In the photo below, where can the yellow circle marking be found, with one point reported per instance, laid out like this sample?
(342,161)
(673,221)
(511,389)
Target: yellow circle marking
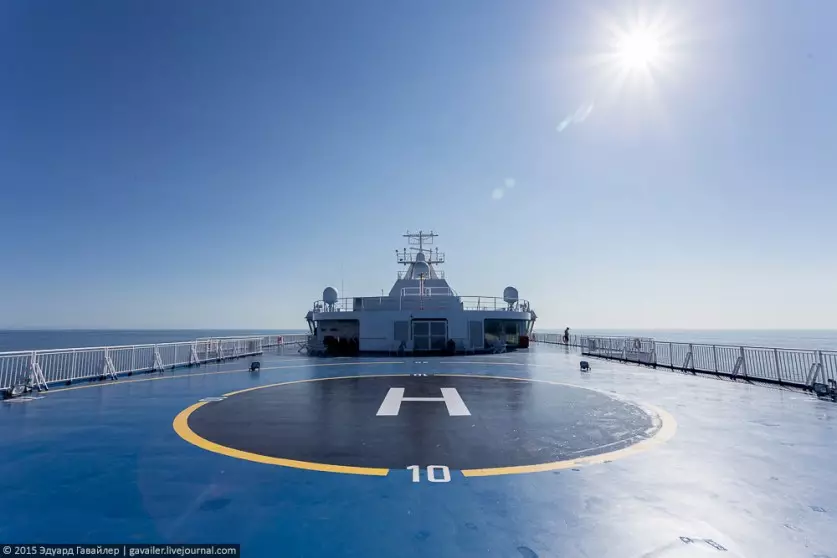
(667,429)
(181,426)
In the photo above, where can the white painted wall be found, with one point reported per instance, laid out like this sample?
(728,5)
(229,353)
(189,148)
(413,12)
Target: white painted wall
(377,330)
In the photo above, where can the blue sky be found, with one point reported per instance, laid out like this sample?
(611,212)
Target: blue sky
(216,164)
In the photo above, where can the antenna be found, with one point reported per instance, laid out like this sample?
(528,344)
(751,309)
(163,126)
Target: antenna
(419,242)
(341,280)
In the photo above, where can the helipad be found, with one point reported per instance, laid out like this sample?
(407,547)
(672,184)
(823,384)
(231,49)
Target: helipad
(369,424)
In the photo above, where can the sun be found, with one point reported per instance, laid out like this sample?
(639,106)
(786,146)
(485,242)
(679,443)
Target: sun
(639,48)
(642,52)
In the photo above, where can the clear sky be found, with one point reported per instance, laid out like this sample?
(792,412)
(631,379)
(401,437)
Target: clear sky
(216,164)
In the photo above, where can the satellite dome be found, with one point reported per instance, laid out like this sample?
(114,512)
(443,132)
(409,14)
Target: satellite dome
(329,295)
(420,257)
(510,295)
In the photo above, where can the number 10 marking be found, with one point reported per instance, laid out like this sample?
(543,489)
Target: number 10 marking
(431,473)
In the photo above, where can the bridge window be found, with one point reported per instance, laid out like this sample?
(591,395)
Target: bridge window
(508,331)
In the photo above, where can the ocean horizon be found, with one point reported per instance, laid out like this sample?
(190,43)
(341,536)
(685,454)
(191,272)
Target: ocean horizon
(39,339)
(822,339)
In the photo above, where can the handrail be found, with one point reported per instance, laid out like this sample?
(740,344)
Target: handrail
(440,273)
(468,302)
(792,367)
(102,347)
(427,291)
(271,340)
(285,339)
(45,367)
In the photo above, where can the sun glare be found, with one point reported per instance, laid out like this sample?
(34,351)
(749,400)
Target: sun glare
(639,49)
(642,52)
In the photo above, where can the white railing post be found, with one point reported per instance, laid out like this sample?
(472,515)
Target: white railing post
(36,377)
(689,362)
(815,371)
(776,360)
(158,361)
(715,357)
(108,369)
(822,368)
(193,354)
(743,361)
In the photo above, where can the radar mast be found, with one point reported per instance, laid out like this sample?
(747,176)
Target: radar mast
(418,241)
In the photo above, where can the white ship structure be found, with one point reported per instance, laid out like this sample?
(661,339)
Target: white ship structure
(421,314)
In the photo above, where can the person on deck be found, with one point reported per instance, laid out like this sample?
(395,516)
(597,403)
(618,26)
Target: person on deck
(567,336)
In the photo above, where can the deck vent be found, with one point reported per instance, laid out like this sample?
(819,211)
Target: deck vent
(826,391)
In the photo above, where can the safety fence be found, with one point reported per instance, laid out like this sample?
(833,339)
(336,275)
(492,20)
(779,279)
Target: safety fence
(39,369)
(271,341)
(793,367)
(422,298)
(557,339)
(799,367)
(630,349)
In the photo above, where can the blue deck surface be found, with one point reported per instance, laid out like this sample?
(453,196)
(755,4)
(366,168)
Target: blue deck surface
(750,470)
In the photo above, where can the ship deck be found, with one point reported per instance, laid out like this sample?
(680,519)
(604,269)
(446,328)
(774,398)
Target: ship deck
(310,457)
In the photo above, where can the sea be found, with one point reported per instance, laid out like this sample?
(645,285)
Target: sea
(34,339)
(810,339)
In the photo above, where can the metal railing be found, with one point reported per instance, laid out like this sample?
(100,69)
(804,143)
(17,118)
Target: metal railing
(427,291)
(53,366)
(295,339)
(273,340)
(440,274)
(630,349)
(359,304)
(792,367)
(492,303)
(556,339)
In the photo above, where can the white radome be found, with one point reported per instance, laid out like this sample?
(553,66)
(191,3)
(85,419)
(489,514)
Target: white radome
(329,295)
(510,295)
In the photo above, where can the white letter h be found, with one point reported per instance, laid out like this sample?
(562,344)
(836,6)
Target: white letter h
(392,402)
